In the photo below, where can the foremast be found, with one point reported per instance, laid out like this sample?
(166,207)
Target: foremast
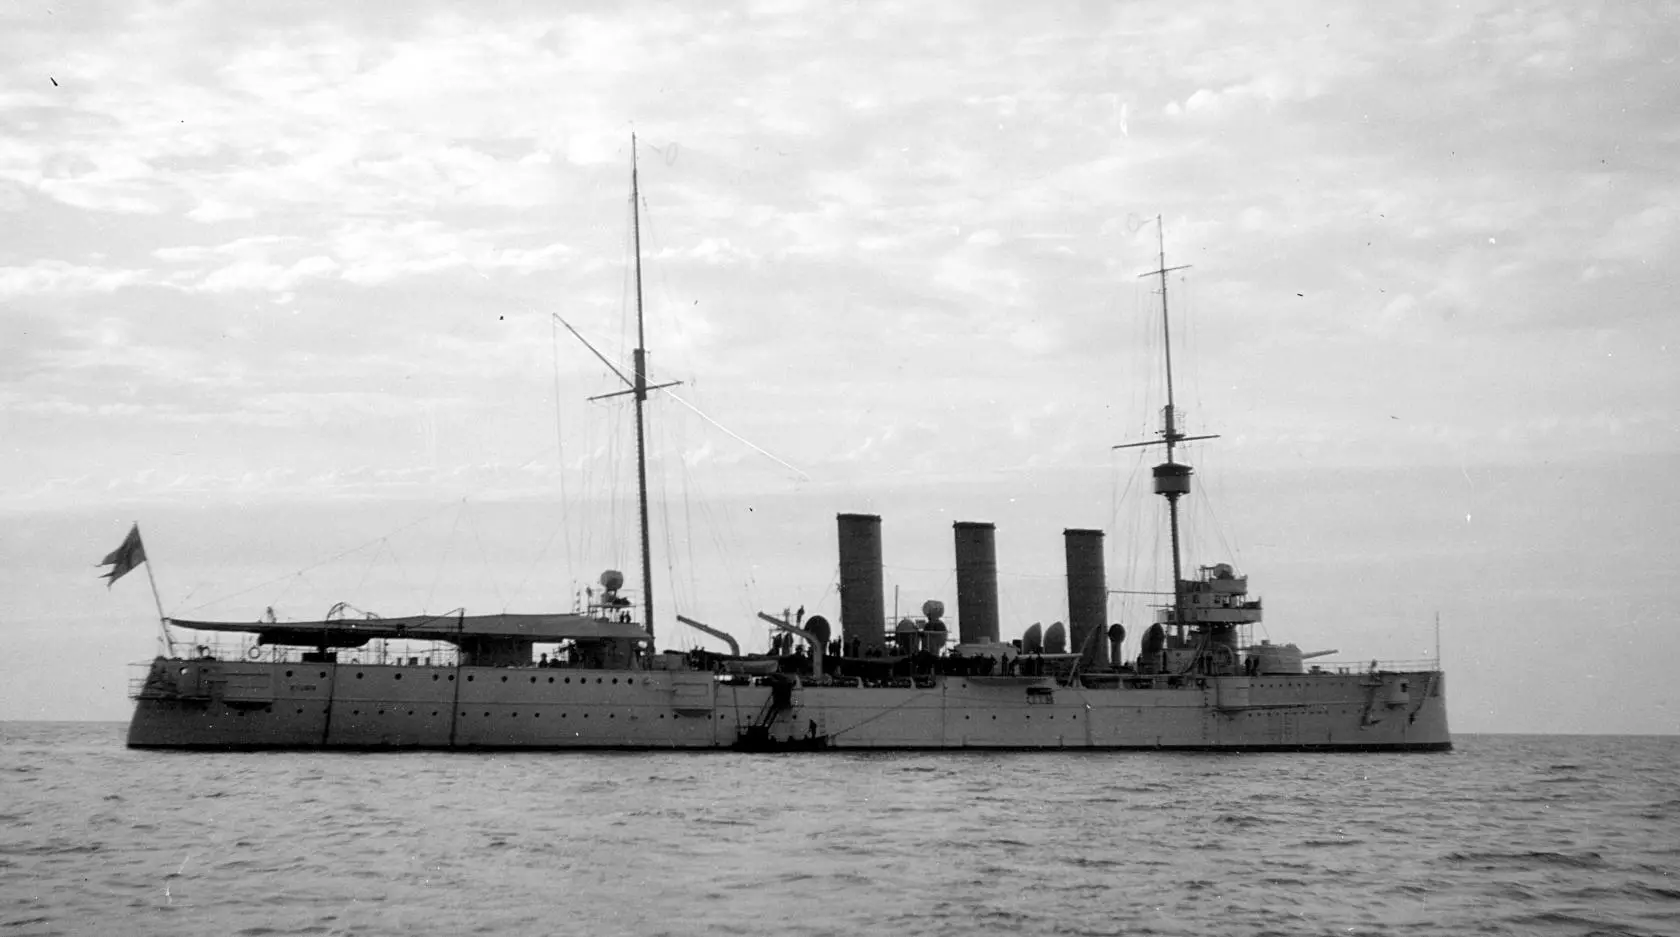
(1172,478)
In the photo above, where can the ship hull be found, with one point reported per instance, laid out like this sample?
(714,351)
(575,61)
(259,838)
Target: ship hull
(229,705)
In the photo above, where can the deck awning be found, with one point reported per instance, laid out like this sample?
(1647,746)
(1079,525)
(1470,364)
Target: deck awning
(354,632)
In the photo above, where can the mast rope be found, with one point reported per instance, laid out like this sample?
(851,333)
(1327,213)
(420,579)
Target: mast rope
(559,442)
(397,561)
(484,557)
(318,564)
(738,437)
(543,554)
(448,545)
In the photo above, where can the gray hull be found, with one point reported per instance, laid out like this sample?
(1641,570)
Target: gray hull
(239,705)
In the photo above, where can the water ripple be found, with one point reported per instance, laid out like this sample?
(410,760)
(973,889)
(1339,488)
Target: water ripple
(1507,835)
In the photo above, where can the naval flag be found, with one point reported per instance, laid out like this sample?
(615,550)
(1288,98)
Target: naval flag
(123,559)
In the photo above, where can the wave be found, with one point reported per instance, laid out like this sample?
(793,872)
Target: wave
(1588,925)
(1527,860)
(1636,890)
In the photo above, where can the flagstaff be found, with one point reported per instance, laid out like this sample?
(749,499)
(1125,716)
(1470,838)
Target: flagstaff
(122,561)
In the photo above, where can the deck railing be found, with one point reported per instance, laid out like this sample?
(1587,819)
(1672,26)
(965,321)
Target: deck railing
(246,648)
(1372,666)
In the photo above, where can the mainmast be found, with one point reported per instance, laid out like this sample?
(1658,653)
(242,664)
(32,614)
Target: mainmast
(636,386)
(1172,479)
(641,390)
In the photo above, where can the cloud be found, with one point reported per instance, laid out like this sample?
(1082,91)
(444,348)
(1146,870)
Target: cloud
(212,210)
(53,276)
(1644,236)
(297,219)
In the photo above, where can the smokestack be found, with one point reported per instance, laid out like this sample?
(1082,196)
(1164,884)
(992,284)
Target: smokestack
(1087,587)
(863,604)
(977,596)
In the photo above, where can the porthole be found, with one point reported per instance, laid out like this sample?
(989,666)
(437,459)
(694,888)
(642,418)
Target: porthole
(300,710)
(288,673)
(355,712)
(550,679)
(381,712)
(397,675)
(568,679)
(612,715)
(533,679)
(629,679)
(451,678)
(486,713)
(434,712)
(536,715)
(586,715)
(434,678)
(411,712)
(504,679)
(358,675)
(323,674)
(994,718)
(615,681)
(469,678)
(598,679)
(513,715)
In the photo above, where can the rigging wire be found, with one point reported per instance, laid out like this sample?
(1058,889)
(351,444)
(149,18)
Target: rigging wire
(607,459)
(372,558)
(739,438)
(559,437)
(683,478)
(542,554)
(657,469)
(320,563)
(448,547)
(483,557)
(402,571)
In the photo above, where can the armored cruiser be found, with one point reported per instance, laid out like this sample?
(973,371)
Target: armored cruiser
(592,678)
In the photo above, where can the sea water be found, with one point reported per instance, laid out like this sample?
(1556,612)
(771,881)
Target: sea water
(1504,835)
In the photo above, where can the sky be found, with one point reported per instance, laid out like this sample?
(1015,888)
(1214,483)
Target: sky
(280,284)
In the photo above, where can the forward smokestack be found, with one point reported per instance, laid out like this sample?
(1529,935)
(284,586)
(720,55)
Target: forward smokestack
(863,605)
(1087,587)
(977,595)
